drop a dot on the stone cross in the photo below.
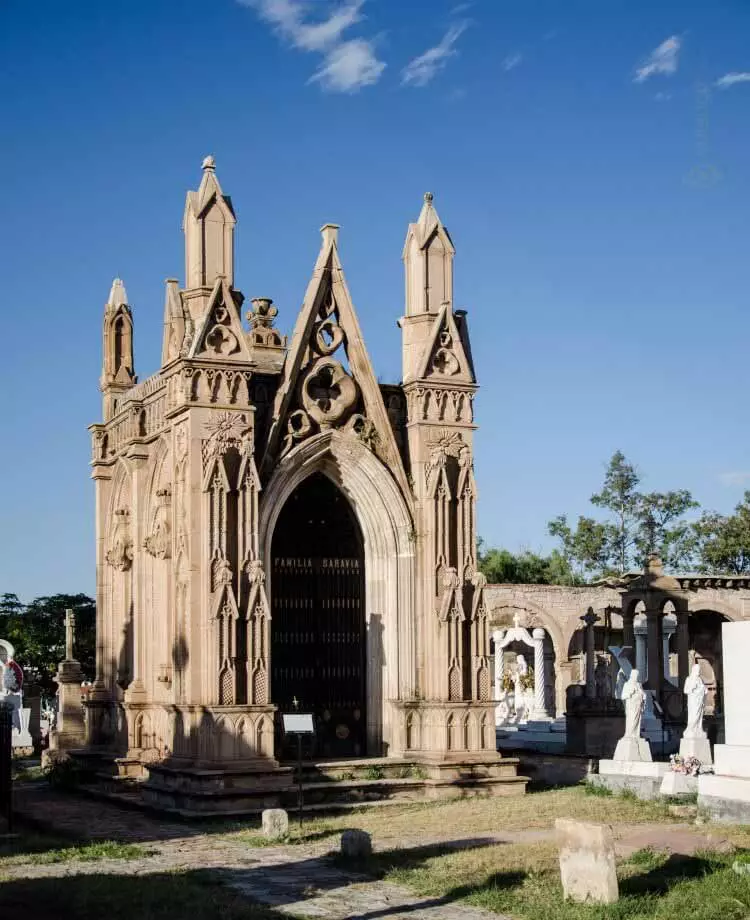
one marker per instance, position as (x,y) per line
(70,624)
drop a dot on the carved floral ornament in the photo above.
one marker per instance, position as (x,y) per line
(120,553)
(449,445)
(227,429)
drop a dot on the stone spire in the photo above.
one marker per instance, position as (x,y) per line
(428,262)
(428,266)
(208,224)
(117,366)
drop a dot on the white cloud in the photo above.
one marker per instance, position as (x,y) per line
(347,65)
(663,97)
(511,61)
(662,60)
(732,78)
(736,478)
(423,68)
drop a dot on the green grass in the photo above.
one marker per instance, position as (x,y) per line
(374,772)
(43,850)
(163,896)
(524,882)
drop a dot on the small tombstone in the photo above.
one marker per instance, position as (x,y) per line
(587,861)
(355,844)
(275,823)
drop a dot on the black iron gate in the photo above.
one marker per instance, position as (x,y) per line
(318,637)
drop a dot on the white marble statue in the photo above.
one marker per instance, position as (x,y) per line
(696,693)
(11,691)
(635,702)
(631,747)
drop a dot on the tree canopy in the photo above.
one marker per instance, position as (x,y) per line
(723,541)
(503,567)
(37,633)
(634,524)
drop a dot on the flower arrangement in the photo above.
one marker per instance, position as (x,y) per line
(689,765)
(527,679)
(507,682)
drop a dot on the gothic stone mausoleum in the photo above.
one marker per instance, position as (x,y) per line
(274,525)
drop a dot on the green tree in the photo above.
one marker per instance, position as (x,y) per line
(636,524)
(723,541)
(500,566)
(37,633)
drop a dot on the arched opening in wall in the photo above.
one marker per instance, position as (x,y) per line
(119,342)
(706,651)
(318,630)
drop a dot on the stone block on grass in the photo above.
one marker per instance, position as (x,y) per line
(275,822)
(587,861)
(355,844)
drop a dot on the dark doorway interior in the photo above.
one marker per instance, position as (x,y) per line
(318,640)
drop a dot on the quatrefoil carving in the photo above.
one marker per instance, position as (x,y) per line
(328,392)
(221,341)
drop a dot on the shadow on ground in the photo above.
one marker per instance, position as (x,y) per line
(163,896)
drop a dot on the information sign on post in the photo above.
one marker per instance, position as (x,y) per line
(299,724)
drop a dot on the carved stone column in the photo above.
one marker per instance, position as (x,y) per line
(589,619)
(654,652)
(683,646)
(70,728)
(497,637)
(669,626)
(640,630)
(540,712)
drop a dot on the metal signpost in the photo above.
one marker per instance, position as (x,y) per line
(299,724)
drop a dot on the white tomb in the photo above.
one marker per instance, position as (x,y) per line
(726,794)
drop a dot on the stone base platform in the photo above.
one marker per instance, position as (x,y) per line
(725,798)
(697,747)
(643,779)
(205,791)
(726,794)
(679,784)
(547,737)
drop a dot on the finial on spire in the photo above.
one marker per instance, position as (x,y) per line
(117,295)
(428,197)
(209,162)
(330,233)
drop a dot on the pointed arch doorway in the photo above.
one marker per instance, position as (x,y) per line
(318,629)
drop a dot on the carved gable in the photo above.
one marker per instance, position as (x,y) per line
(327,380)
(445,359)
(220,334)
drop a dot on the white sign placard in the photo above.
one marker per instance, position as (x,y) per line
(300,723)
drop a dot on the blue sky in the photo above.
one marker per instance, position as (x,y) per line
(589,159)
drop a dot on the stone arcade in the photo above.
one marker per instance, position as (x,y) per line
(275,526)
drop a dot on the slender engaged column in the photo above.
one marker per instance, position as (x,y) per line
(669,626)
(683,647)
(654,653)
(497,637)
(540,691)
(640,630)
(628,639)
(588,620)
